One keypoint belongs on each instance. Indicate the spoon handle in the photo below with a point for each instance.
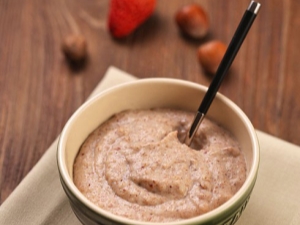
(232, 50)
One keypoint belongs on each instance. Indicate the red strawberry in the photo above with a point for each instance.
(126, 15)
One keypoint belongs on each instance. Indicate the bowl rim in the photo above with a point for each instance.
(246, 187)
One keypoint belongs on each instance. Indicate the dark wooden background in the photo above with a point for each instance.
(39, 91)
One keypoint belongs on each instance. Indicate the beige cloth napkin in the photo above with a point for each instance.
(39, 198)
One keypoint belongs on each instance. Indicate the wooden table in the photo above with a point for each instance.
(39, 90)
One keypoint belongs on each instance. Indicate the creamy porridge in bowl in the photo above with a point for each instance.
(120, 160)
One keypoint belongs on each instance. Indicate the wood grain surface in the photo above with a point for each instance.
(39, 90)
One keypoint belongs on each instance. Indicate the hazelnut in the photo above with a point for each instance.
(210, 55)
(192, 20)
(75, 47)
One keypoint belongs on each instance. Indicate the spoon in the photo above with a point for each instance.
(233, 48)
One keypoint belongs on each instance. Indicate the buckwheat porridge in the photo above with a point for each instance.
(133, 165)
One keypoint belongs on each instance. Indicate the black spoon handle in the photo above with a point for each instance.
(225, 64)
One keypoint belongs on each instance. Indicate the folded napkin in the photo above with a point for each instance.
(40, 199)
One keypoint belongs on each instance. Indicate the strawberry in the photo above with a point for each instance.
(126, 15)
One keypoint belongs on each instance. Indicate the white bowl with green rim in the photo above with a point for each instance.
(145, 94)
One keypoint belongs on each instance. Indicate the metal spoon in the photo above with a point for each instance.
(226, 62)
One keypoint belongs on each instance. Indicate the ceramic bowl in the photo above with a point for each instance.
(153, 93)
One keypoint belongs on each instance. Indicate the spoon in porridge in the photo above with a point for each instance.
(232, 50)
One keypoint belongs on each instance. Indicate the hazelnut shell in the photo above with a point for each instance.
(75, 47)
(193, 21)
(210, 55)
